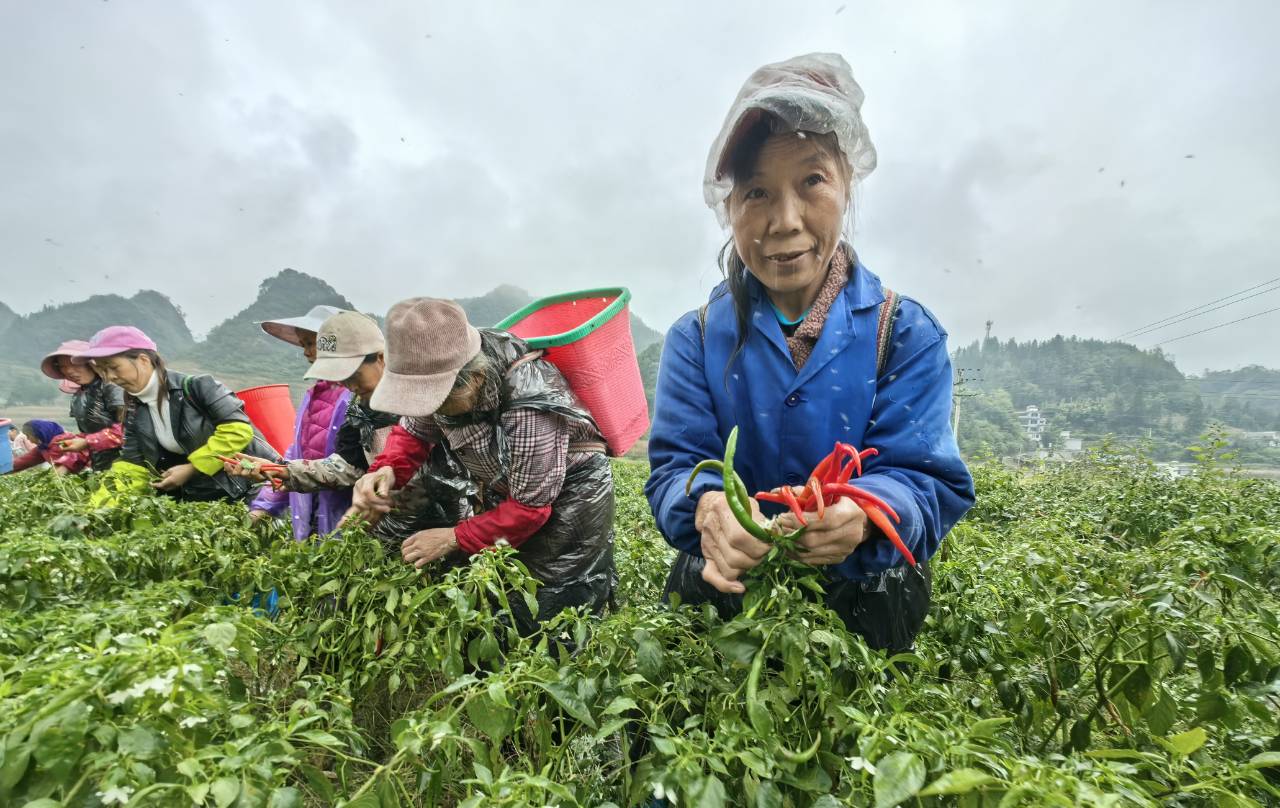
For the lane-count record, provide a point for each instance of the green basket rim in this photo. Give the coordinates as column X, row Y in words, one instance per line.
column 564, row 338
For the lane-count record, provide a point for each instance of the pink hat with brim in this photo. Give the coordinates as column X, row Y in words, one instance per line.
column 115, row 339
column 70, row 349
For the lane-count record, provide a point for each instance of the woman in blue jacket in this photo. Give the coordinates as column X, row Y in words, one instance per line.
column 802, row 346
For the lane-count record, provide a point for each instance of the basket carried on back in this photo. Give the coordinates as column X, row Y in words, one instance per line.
column 587, row 335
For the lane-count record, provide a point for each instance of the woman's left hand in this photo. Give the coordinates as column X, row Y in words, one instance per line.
column 426, row 546
column 832, row 538
column 174, row 478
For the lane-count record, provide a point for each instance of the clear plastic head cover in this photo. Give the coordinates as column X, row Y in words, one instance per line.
column 811, row 93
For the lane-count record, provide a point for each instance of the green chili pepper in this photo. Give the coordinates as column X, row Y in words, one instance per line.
column 736, row 494
column 798, row 758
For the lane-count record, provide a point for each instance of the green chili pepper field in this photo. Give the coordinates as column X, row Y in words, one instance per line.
column 1101, row 635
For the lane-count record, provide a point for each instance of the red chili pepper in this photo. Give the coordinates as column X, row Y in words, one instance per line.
column 861, row 496
column 819, row 500
column 881, row 521
column 794, row 505
column 771, row 496
column 824, row 467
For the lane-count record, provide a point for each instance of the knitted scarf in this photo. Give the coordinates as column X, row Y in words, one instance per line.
column 806, row 335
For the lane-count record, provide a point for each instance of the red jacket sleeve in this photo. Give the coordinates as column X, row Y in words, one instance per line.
column 510, row 520
column 110, row 438
column 32, row 458
column 403, row 454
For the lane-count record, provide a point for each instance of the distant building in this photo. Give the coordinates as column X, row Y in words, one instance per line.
column 1069, row 444
column 1269, row 439
column 1032, row 422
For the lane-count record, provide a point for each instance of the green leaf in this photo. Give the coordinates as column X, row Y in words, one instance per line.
column 960, row 781
column 1265, row 760
column 1185, row 743
column 987, row 727
column 1162, row 714
column 138, row 742
column 1237, row 664
column 491, row 718
column 225, row 790
column 1080, row 734
column 649, row 660
column 571, row 702
column 220, row 635
column 898, row 778
column 707, row 792
column 1207, row 664
column 620, row 705
column 286, row 797
column 60, row 742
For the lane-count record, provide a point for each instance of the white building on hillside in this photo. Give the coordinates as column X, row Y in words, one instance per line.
column 1033, row 423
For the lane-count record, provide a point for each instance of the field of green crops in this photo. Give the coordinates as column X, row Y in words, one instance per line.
column 1101, row 636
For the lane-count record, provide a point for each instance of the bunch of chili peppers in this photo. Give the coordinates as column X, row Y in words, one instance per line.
column 829, row 482
column 264, row 468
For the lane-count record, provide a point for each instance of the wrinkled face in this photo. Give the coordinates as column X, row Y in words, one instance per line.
column 787, row 214
column 130, row 374
column 363, row 382
column 308, row 341
column 80, row 374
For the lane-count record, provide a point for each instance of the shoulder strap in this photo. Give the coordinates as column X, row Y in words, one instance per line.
column 884, row 329
column 186, row 392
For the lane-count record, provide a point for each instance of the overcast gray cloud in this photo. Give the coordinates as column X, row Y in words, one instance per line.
column 426, row 148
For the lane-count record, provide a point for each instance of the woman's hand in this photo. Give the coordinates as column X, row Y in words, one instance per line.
column 832, row 538
column 171, row 479
column 371, row 497
column 257, row 516
column 426, row 546
column 250, row 467
column 75, row 444
column 729, row 550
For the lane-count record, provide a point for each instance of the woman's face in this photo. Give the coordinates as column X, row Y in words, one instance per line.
column 787, row 215
column 80, row 374
column 307, row 339
column 363, row 382
column 130, row 374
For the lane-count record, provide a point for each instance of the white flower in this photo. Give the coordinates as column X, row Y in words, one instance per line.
column 861, row 764
column 192, row 721
column 115, row 794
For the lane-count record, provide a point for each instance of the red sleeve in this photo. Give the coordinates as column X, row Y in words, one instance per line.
column 403, row 454
column 510, row 520
column 110, row 438
column 32, row 458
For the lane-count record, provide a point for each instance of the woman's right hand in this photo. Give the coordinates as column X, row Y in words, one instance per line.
column 252, row 471
column 371, row 496
column 728, row 549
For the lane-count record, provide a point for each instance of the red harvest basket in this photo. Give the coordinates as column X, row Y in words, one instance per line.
column 587, row 335
column 270, row 409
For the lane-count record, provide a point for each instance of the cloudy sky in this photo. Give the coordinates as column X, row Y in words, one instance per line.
column 1034, row 163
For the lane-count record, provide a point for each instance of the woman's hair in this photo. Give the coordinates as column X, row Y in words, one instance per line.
column 475, row 374
column 742, row 159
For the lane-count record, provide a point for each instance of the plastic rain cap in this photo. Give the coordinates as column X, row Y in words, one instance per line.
column 811, row 93
column 68, row 349
column 288, row 328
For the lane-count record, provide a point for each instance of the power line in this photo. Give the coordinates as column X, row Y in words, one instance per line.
column 1197, row 308
column 1202, row 313
column 1215, row 327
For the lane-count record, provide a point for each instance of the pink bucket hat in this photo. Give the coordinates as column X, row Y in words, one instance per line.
column 115, row 339
column 70, row 349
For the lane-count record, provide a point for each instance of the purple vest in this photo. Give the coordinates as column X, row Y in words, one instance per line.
column 315, row 436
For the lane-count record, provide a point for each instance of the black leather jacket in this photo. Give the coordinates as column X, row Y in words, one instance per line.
column 195, row 406
column 94, row 408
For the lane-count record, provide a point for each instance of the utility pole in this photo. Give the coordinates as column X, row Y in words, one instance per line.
column 989, row 324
